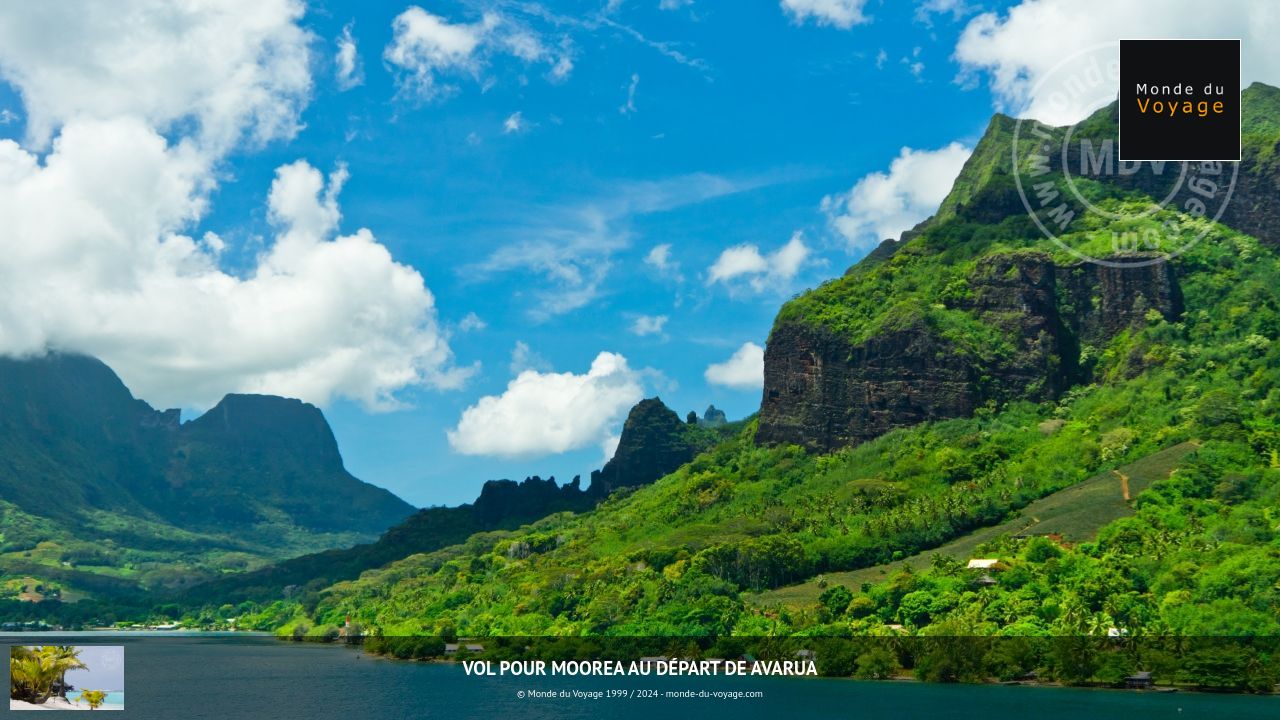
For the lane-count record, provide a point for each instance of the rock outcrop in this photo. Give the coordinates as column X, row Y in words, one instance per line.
column 654, row 442
column 824, row 392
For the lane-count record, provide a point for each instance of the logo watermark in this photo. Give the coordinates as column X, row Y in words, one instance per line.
column 1062, row 173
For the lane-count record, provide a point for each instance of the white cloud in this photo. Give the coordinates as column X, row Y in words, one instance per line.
column 914, row 64
column 648, row 325
column 629, row 106
column 426, row 46
column 95, row 257
column 609, row 446
column 843, row 14
column 761, row 271
column 348, row 70
column 513, row 124
column 7, row 116
column 542, row 413
column 744, row 370
column 881, row 58
column 524, row 358
column 955, row 8
column 882, row 205
column 471, row 322
column 572, row 247
column 673, row 4
column 1018, row 50
column 429, row 52
column 235, row 68
column 659, row 256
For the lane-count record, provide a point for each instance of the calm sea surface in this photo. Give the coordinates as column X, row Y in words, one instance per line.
column 258, row 677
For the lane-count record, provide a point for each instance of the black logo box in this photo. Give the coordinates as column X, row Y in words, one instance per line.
column 1190, row 64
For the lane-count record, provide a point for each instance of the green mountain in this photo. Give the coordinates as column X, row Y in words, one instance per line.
column 654, row 442
column 101, row 493
column 942, row 386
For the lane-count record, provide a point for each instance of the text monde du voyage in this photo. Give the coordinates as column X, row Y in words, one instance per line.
column 1180, row 99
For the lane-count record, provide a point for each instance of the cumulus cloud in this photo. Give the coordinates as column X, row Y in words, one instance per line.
column 1017, row 50
column 97, row 258
column 348, row 70
column 546, row 412
column 746, row 262
column 648, row 325
column 514, row 123
column 882, row 205
column 744, row 370
column 426, row 46
column 843, row 14
column 233, row 68
column 429, row 52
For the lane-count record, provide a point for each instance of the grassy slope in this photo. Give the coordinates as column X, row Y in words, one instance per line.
column 1075, row 514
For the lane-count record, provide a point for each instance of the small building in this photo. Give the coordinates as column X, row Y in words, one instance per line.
column 983, row 563
column 806, row 654
column 1139, row 681
column 453, row 648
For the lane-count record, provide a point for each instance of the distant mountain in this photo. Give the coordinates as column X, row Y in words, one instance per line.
column 654, row 442
column 92, row 477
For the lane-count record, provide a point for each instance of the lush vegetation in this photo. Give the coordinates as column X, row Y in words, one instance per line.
column 39, row 673
column 1199, row 554
column 1196, row 552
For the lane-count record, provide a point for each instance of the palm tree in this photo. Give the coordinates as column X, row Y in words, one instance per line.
column 35, row 672
column 93, row 697
column 64, row 658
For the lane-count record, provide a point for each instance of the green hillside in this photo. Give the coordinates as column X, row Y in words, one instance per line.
column 1196, row 552
column 1072, row 515
column 103, row 496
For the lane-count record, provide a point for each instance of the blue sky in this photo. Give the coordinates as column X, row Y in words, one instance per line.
column 789, row 113
column 634, row 187
column 105, row 669
column 477, row 231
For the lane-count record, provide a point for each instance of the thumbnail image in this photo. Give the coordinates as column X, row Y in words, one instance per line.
column 66, row 677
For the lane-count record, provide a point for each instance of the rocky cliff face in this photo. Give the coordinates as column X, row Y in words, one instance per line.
column 824, row 392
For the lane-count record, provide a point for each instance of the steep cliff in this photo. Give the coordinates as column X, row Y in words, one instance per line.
column 823, row 391
column 975, row 306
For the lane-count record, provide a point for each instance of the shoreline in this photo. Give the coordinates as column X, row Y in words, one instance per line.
column 57, row 703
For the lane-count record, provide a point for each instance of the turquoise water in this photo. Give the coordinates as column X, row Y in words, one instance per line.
column 114, row 699
column 229, row 678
